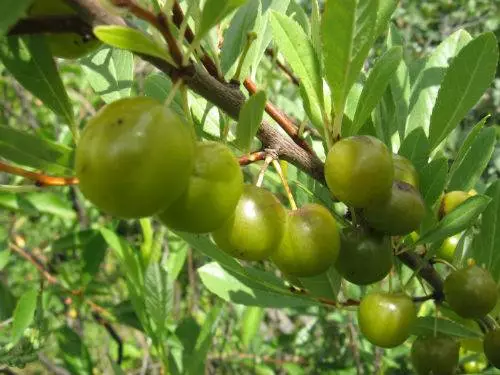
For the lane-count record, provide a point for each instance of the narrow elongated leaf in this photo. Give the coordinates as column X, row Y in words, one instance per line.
column 487, row 242
column 74, row 352
column 110, row 72
column 235, row 37
column 400, row 86
column 93, row 254
column 157, row 295
column 249, row 122
column 427, row 325
column 464, row 148
column 316, row 32
column 24, row 314
column 8, row 302
column 326, row 285
column 385, row 10
column 215, row 11
column 196, row 362
column 38, row 202
column 348, row 30
column 131, row 40
column 30, row 61
column 299, row 53
column 474, row 162
column 457, row 220
column 243, row 290
column 250, row 324
column 35, row 151
column 416, row 148
column 375, row 86
column 467, row 78
column 10, row 12
column 426, row 86
column 433, row 180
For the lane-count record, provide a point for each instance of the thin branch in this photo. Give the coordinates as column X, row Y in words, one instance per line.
column 288, row 72
column 39, row 178
column 252, row 158
column 112, row 332
column 283, row 121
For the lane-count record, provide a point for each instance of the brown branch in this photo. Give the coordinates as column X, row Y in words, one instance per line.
column 284, row 122
column 159, row 22
column 252, row 158
column 40, row 179
column 293, row 78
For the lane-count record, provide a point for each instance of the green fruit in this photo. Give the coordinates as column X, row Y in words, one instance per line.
column 435, row 355
column 448, row 248
column 134, row 158
column 452, row 200
column 363, row 259
column 401, row 214
column 310, row 244
column 471, row 292
column 359, row 171
column 405, row 171
column 474, row 367
column 492, row 347
column 386, row 319
column 255, row 229
column 214, row 189
column 64, row 45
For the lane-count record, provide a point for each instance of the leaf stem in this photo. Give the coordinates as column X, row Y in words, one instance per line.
column 267, row 161
column 251, row 37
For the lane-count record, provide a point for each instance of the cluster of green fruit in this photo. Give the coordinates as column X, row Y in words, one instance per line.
column 64, row 45
column 138, row 158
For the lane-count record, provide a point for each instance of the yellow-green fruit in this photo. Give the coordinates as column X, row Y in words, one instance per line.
column 492, row 347
column 435, row 355
column 452, row 200
column 363, row 258
column 471, row 292
column 359, row 171
column 310, row 244
column 405, row 171
column 64, row 45
column 213, row 191
column 401, row 214
column 255, row 229
column 134, row 158
column 448, row 248
column 385, row 319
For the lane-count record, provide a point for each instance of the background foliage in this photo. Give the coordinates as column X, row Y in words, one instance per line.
column 83, row 333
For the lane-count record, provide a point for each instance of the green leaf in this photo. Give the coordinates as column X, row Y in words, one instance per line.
column 327, row 285
column 300, row 55
column 348, row 34
column 93, row 254
column 214, row 11
column 24, row 314
column 10, row 12
column 426, row 325
column 416, row 148
column 131, row 40
column 243, row 290
column 158, row 86
column 75, row 354
column 4, row 258
column 196, row 364
column 110, row 72
column 487, row 241
column 30, row 61
column 375, row 86
column 475, row 161
column 249, row 121
column 157, row 295
column 38, row 202
column 400, row 86
column 35, row 151
column 74, row 240
column 433, row 180
column 426, row 86
column 8, row 302
column 316, row 32
column 235, row 37
column 467, row 78
column 176, row 257
column 250, row 324
column 385, row 10
column 466, row 145
column 456, row 221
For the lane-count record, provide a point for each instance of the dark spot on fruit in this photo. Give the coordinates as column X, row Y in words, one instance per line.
column 119, row 121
